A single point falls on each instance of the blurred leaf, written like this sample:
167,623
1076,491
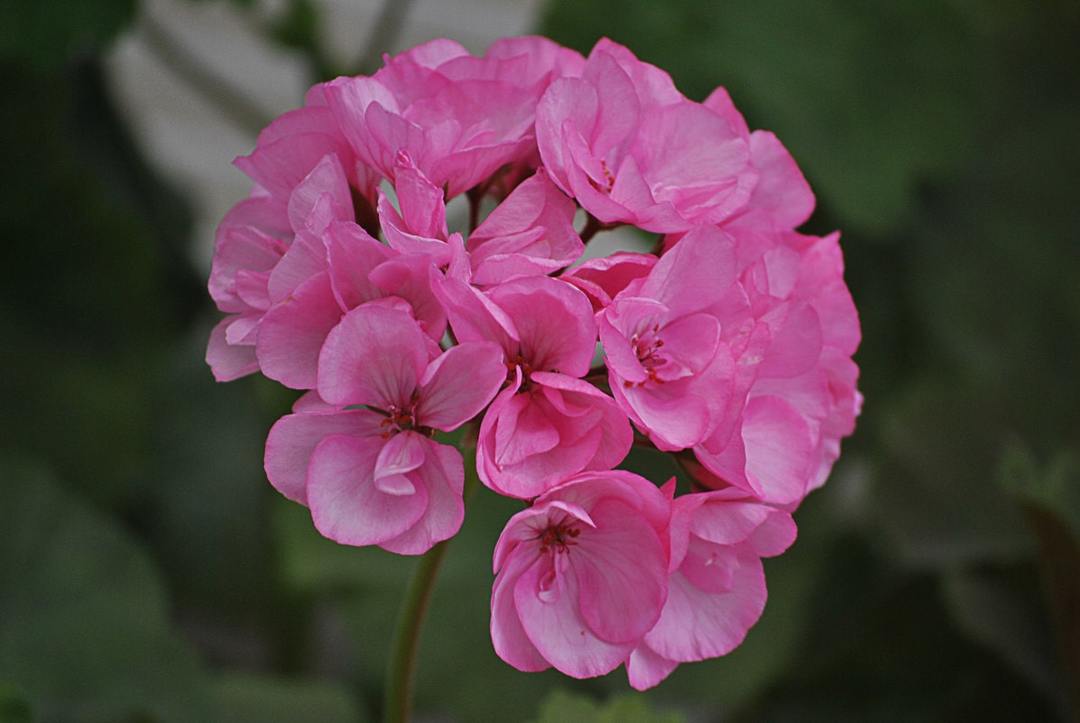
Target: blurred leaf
1055,488
1009,620
560,707
882,647
934,493
260,699
83,623
14,708
47,34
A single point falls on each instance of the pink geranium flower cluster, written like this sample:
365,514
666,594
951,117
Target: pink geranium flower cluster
730,346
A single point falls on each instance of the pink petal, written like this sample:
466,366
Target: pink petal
401,454
555,627
293,332
602,278
409,277
345,504
325,181
796,345
775,535
305,258
375,356
228,362
554,323
695,274
352,255
696,625
772,455
621,568
507,633
646,668
782,197
616,436
459,384
442,476
724,521
293,438
473,316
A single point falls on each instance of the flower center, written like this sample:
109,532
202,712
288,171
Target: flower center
646,346
512,365
558,537
609,179
401,418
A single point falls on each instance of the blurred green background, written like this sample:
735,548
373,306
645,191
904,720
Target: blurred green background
149,573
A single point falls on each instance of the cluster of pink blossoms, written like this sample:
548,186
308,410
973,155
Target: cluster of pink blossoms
729,346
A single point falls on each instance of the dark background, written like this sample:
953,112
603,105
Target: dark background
149,573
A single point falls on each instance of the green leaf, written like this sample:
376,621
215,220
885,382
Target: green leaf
1054,487
933,493
14,707
1010,620
560,707
83,622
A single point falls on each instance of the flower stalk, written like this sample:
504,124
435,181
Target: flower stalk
400,673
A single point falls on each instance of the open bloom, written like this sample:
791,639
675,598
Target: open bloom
716,591
631,149
364,462
581,575
548,424
668,365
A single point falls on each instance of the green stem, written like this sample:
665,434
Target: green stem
399,678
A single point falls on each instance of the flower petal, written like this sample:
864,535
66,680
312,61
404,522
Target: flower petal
293,438
345,504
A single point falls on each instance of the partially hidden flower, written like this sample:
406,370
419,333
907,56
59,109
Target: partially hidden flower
631,149
795,395
548,423
460,118
716,591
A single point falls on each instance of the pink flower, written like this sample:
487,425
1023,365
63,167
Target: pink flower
342,268
716,591
531,233
669,367
798,398
265,248
250,241
547,424
295,142
623,142
581,575
364,461
459,117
